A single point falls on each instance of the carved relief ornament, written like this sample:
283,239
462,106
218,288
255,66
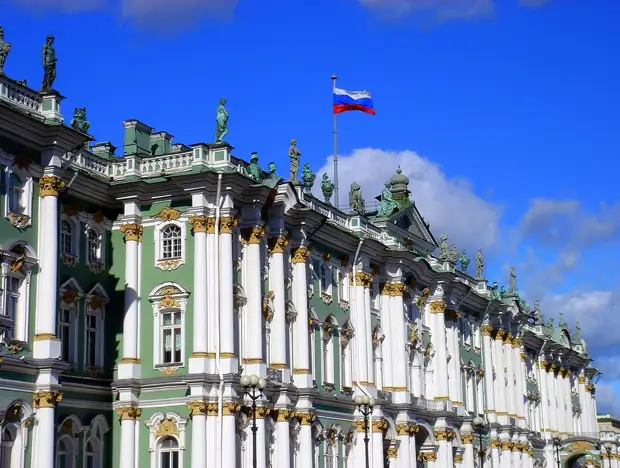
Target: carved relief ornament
132,232
129,413
46,399
406,429
253,235
227,224
200,223
393,289
167,427
438,307
50,186
301,254
277,244
305,419
168,214
361,279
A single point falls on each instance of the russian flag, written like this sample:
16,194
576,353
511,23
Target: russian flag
345,101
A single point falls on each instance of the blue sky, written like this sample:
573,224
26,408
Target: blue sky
503,114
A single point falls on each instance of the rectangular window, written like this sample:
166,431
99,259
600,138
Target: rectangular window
64,333
12,299
91,340
170,460
171,337
92,246
15,195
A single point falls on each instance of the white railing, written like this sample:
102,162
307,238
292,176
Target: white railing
19,95
167,163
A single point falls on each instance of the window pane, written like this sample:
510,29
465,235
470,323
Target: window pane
91,349
175,459
165,460
167,319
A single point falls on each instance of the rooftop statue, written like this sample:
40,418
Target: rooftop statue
5,48
503,293
356,200
453,255
464,261
549,323
577,331
48,57
294,155
561,322
79,122
479,264
221,121
444,254
307,177
495,293
253,170
512,287
327,187
387,205
537,304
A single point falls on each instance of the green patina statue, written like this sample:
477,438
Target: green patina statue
356,200
79,122
387,205
271,168
444,251
503,293
577,331
512,288
537,304
307,177
48,57
221,121
327,187
549,323
5,48
561,322
464,260
479,264
453,254
495,293
294,154
253,170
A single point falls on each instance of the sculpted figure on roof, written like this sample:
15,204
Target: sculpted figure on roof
5,48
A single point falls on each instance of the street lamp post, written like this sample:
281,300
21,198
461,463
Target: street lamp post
557,444
253,387
480,427
608,448
364,405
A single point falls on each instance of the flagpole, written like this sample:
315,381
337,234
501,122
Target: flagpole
335,149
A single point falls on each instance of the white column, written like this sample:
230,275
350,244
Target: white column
488,384
305,456
252,282
544,397
555,398
520,375
302,376
229,363
379,425
468,450
277,247
404,432
454,366
198,411
443,440
197,363
229,434
510,376
46,344
283,445
129,366
44,403
261,449
369,358
213,430
500,382
128,416
387,345
400,371
362,338
438,338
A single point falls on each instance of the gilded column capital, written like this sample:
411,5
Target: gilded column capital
305,419
300,255
487,329
284,415
277,244
231,408
393,289
506,445
523,356
444,434
212,409
46,399
132,232
495,443
458,458
379,425
427,456
517,342
361,279
201,223
50,186
590,388
259,412
392,452
408,429
227,224
500,335
581,379
197,408
508,338
467,438
129,413
438,307
253,235
359,425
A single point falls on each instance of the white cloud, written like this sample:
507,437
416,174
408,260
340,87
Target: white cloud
439,10
448,204
607,401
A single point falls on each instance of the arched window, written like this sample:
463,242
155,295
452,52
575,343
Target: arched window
91,455
16,194
7,446
171,238
66,237
168,456
64,453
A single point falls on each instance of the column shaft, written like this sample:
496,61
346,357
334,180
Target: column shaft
200,293
399,337
252,281
278,323
387,345
46,436
438,338
283,445
226,307
488,383
302,376
199,438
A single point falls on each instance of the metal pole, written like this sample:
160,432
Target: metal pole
480,449
254,428
366,439
336,200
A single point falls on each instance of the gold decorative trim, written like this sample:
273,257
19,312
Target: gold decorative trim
458,458
231,408
46,399
201,223
408,429
50,186
437,307
167,427
168,214
300,255
392,452
45,337
581,379
393,289
283,415
361,279
277,244
227,224
169,265
253,235
305,419
517,342
467,438
131,232
169,302
129,360
427,456
129,413
445,434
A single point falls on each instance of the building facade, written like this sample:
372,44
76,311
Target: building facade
137,289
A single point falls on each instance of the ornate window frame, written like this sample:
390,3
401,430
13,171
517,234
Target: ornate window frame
168,264
17,419
162,426
17,265
95,433
70,295
96,301
98,265
19,220
164,297
70,259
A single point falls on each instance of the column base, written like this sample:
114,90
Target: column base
46,346
302,378
255,368
129,368
401,396
199,364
